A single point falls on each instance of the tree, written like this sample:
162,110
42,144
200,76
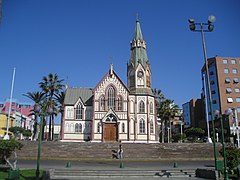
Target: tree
60,99
194,133
16,131
7,147
51,85
37,98
166,111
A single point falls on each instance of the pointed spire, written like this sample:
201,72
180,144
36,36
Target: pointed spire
138,32
138,47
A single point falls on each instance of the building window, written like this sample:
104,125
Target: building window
225,61
111,118
226,71
238,109
235,80
234,71
238,100
123,128
237,90
212,82
120,103
102,103
111,98
151,107
228,90
71,127
141,107
229,100
213,92
79,111
233,61
211,73
214,101
67,127
142,126
78,128
227,80
151,127
68,113
99,127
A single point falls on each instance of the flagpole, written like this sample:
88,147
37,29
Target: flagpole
6,137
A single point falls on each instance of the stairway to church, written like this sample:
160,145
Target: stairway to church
139,151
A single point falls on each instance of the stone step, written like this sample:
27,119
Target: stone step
73,173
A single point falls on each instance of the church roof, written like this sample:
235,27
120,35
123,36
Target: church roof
138,48
73,94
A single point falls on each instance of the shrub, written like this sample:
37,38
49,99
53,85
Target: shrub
7,147
232,155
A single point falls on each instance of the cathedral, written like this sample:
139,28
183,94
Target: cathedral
112,111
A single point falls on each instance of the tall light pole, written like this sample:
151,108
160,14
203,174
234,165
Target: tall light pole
42,114
206,27
6,137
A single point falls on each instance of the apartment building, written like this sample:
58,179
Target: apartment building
224,75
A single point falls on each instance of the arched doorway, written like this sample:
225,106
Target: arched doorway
110,128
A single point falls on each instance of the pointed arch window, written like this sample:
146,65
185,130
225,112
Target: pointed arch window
151,127
142,126
102,103
111,98
71,127
141,107
78,128
79,111
151,107
123,128
120,103
67,127
99,127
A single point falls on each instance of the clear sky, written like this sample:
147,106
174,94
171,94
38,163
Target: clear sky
79,39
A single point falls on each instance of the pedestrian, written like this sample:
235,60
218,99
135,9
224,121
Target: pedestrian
120,152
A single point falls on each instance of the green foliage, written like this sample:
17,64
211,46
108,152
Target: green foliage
27,133
177,137
232,155
7,147
19,130
194,133
29,174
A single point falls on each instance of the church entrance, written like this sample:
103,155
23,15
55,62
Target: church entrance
110,128
110,132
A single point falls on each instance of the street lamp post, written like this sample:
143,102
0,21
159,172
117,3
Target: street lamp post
218,115
206,27
37,110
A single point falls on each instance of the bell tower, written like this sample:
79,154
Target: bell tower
138,68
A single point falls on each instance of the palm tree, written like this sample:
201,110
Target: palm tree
167,111
159,98
60,99
37,98
51,85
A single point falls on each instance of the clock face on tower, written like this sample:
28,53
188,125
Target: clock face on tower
140,74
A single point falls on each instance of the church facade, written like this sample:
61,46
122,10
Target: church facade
113,111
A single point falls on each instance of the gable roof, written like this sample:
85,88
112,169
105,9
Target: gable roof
73,94
109,74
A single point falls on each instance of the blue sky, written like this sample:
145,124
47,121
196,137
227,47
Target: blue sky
78,39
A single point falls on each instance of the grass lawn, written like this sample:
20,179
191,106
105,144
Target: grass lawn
29,174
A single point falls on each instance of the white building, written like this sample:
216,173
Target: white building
112,111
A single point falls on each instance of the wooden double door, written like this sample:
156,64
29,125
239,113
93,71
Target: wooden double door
110,132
